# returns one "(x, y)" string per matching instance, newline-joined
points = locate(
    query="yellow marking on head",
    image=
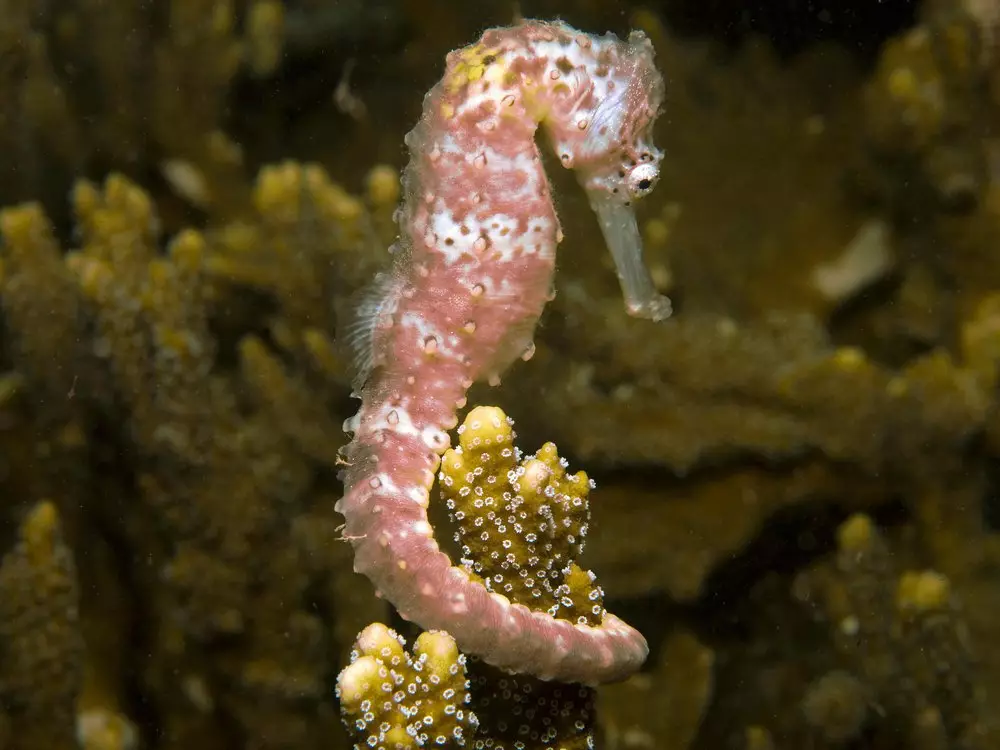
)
(475, 72)
(473, 63)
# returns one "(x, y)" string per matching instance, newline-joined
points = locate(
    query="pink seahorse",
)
(471, 273)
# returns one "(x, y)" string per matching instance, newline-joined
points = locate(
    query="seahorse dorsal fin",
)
(371, 306)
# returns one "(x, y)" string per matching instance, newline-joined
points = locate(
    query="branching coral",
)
(149, 316)
(521, 521)
(396, 699)
(924, 107)
(306, 239)
(78, 104)
(218, 461)
(38, 292)
(907, 641)
(41, 651)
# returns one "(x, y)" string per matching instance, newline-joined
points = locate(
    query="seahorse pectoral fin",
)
(356, 334)
(621, 233)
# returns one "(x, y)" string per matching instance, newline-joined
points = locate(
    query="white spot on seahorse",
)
(425, 331)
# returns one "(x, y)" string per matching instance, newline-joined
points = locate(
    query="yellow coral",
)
(289, 402)
(980, 338)
(923, 591)
(905, 638)
(41, 647)
(40, 303)
(392, 699)
(521, 521)
(265, 32)
(906, 98)
(856, 533)
(150, 313)
(308, 234)
(383, 185)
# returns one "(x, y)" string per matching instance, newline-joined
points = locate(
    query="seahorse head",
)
(611, 146)
(616, 161)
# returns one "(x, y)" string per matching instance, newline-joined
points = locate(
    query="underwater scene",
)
(539, 375)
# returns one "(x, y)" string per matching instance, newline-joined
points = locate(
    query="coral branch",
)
(402, 700)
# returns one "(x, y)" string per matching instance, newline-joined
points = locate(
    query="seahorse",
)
(471, 271)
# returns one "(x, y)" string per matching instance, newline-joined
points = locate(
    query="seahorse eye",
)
(642, 179)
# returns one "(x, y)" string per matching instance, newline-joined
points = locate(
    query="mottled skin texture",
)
(471, 274)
